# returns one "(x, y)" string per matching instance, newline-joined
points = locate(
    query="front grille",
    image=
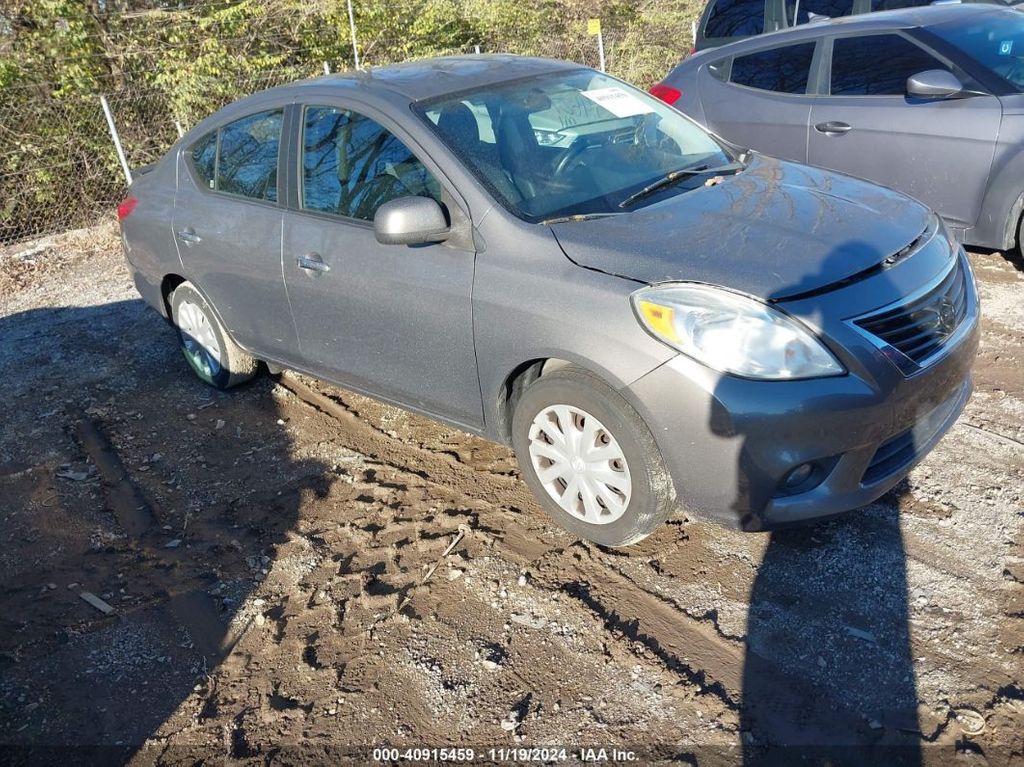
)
(890, 457)
(899, 451)
(919, 328)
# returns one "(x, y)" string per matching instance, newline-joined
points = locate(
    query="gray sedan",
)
(548, 257)
(929, 101)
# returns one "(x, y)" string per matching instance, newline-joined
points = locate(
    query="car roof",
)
(904, 18)
(430, 78)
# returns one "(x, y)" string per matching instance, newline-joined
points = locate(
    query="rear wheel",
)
(590, 459)
(210, 352)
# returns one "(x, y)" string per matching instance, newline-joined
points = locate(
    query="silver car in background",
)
(929, 101)
(545, 256)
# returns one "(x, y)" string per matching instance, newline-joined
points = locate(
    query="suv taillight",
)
(126, 207)
(666, 93)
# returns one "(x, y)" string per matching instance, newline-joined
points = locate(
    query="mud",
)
(266, 552)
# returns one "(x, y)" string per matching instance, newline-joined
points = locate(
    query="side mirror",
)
(410, 221)
(934, 84)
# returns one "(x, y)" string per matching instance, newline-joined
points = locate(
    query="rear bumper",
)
(730, 443)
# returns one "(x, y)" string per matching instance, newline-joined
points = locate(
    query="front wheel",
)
(590, 460)
(210, 352)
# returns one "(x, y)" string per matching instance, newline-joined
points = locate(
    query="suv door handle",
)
(189, 237)
(833, 128)
(312, 262)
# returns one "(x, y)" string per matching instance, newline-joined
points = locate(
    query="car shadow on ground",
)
(142, 509)
(828, 673)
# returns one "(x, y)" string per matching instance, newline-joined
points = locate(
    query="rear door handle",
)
(833, 128)
(312, 262)
(189, 236)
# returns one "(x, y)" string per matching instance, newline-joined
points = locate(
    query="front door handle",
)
(312, 262)
(833, 128)
(189, 237)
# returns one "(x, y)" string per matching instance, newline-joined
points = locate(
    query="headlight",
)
(733, 333)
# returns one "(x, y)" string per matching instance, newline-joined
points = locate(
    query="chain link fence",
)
(59, 169)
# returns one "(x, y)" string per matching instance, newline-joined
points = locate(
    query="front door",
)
(938, 151)
(395, 321)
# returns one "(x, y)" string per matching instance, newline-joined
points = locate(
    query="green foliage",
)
(162, 61)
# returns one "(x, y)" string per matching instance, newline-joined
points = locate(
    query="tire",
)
(207, 347)
(574, 395)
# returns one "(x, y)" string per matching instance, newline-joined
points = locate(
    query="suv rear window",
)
(735, 18)
(803, 11)
(783, 70)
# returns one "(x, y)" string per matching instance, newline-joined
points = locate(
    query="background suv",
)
(929, 101)
(726, 21)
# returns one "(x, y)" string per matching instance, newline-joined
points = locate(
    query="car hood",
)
(774, 230)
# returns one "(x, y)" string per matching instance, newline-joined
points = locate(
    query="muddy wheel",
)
(210, 352)
(590, 459)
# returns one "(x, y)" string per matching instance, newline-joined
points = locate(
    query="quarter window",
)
(204, 157)
(735, 18)
(784, 70)
(877, 65)
(241, 157)
(351, 165)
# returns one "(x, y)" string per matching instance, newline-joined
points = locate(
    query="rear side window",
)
(735, 18)
(877, 65)
(783, 70)
(894, 5)
(241, 157)
(247, 158)
(351, 165)
(803, 11)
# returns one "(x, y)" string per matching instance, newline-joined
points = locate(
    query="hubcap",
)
(201, 346)
(580, 464)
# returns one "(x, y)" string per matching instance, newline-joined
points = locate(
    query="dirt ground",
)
(261, 558)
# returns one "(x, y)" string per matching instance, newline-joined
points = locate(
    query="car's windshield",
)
(570, 143)
(996, 42)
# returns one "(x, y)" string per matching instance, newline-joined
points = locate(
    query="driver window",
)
(351, 165)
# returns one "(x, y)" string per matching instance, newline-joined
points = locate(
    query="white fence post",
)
(352, 27)
(594, 28)
(327, 68)
(117, 140)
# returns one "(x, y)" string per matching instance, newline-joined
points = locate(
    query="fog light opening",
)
(798, 476)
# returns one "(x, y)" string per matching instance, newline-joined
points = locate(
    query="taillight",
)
(126, 207)
(666, 93)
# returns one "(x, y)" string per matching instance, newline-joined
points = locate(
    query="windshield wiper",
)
(578, 217)
(677, 175)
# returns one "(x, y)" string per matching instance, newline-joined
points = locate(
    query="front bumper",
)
(729, 443)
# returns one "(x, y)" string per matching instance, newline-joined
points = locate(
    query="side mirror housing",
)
(934, 84)
(410, 221)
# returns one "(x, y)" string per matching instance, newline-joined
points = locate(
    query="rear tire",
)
(207, 347)
(590, 459)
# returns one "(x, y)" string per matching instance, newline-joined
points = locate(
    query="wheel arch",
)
(1002, 207)
(172, 281)
(522, 375)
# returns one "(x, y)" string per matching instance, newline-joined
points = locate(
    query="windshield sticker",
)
(1006, 47)
(618, 102)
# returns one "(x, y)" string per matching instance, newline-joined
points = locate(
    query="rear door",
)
(759, 99)
(395, 321)
(939, 151)
(227, 226)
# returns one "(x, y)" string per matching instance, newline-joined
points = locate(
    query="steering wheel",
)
(571, 157)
